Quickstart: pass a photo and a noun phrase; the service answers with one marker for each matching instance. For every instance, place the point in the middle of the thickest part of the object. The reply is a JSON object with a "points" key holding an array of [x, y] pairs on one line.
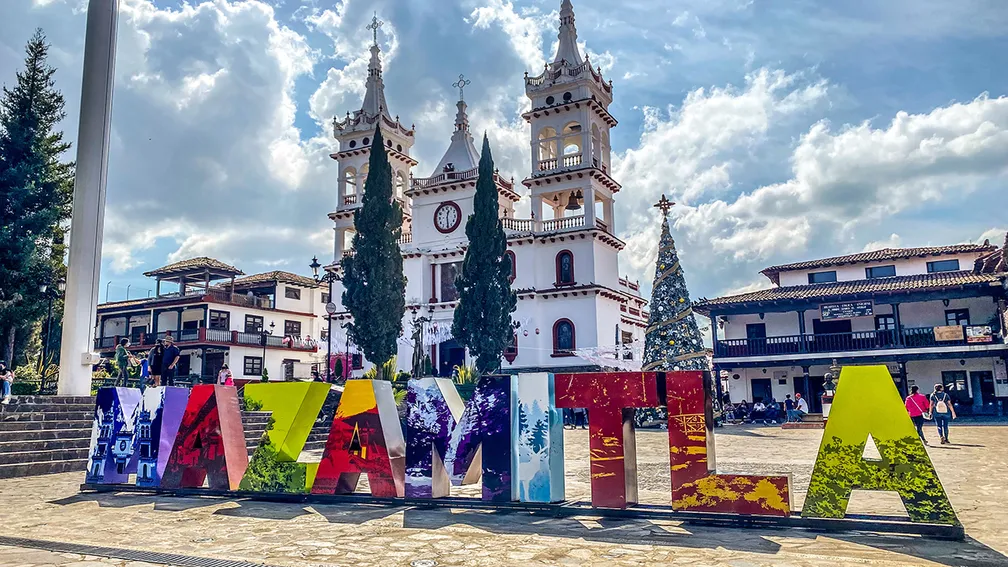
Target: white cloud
{"points": [[524, 30], [894, 241]]}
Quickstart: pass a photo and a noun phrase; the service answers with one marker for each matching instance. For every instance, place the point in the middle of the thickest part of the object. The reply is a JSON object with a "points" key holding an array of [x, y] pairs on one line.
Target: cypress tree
{"points": [[482, 320], [373, 275], [36, 189]]}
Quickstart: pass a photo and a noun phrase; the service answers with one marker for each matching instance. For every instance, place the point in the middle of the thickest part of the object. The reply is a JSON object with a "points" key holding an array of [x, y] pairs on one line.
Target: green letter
{"points": [[867, 403]]}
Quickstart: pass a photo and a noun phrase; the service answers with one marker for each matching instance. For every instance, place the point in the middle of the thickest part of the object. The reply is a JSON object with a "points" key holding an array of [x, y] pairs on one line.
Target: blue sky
{"points": [[788, 129]]}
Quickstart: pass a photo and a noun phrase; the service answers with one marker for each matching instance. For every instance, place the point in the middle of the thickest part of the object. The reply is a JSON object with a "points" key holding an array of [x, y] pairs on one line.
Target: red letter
{"points": [[694, 484], [610, 398], [210, 442]]}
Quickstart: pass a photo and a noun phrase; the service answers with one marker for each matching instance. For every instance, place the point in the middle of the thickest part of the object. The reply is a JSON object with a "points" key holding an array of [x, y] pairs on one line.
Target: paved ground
{"points": [[974, 471]]}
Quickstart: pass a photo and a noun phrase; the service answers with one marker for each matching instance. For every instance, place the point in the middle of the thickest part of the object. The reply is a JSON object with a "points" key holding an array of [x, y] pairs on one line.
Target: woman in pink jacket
{"points": [[917, 406]]}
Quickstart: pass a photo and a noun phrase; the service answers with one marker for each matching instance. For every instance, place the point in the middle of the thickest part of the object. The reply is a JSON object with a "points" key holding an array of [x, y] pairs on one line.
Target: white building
{"points": [[216, 317], [933, 315], [565, 255]]}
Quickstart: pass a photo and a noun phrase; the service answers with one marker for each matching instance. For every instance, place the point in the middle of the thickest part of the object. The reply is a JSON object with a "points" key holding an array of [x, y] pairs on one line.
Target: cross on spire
{"points": [[374, 25], [461, 85], [664, 204]]}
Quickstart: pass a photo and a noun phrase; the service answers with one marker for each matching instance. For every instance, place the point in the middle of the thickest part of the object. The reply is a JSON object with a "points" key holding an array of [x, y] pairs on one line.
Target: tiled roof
{"points": [[877, 256], [994, 262], [195, 265], [812, 292], [275, 276]]}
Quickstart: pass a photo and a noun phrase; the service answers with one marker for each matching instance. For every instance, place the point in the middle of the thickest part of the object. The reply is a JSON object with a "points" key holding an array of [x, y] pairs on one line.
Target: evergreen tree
{"points": [[373, 275], [482, 320], [539, 436], [36, 189], [672, 340]]}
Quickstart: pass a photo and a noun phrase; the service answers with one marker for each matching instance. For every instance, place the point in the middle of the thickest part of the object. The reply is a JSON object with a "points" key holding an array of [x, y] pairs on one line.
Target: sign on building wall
{"points": [[979, 334], [845, 310], [947, 334]]}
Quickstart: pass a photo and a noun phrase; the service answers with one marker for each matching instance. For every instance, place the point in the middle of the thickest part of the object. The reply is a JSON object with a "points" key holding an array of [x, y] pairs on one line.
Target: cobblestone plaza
{"points": [[974, 470]]}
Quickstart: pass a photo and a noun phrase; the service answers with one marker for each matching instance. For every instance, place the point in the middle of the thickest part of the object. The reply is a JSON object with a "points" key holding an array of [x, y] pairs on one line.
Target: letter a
{"points": [[867, 403], [365, 438], [211, 442]]}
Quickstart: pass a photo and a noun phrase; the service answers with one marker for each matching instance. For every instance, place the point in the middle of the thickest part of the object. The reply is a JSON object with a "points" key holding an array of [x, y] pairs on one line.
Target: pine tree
{"points": [[539, 436], [36, 189], [373, 275], [672, 340], [482, 320]]}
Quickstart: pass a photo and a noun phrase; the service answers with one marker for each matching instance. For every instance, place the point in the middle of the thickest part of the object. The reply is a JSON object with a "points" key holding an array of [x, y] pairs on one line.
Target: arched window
{"points": [[349, 181], [605, 151], [596, 149], [572, 139], [510, 255], [400, 185], [563, 338], [547, 144], [565, 268]]}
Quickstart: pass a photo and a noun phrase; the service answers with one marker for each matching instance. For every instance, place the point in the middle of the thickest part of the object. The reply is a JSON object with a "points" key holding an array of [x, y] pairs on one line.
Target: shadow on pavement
{"points": [[124, 500], [968, 553]]}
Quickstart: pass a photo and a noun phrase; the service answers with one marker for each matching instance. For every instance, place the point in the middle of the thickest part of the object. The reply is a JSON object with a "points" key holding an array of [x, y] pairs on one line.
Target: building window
{"points": [[510, 255], [253, 366], [448, 274], [220, 320], [957, 317], [288, 369], [565, 268], [325, 297], [943, 266], [292, 328], [822, 277], [292, 292], [253, 324], [356, 361], [880, 272], [563, 338], [511, 351], [627, 339], [885, 323]]}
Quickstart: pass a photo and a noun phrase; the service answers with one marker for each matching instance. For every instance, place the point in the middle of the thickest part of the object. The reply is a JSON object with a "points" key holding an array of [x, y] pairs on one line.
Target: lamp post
{"points": [[263, 339], [50, 295], [329, 278]]}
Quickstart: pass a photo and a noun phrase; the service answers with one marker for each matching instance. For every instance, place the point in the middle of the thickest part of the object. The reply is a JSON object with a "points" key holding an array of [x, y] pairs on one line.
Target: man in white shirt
{"points": [[801, 406]]}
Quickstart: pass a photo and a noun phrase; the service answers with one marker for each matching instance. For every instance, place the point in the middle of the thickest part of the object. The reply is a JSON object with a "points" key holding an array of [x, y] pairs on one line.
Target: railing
{"points": [[572, 160], [406, 238], [211, 336], [424, 182], [218, 335], [547, 164], [914, 337], [563, 223], [518, 225], [599, 223], [350, 199]]}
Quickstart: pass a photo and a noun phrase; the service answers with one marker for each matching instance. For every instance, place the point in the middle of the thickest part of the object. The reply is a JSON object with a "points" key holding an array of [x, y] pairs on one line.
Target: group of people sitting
{"points": [[770, 411]]}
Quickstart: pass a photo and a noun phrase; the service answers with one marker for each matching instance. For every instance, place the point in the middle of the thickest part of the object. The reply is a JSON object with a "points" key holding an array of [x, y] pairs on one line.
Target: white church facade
{"points": [[573, 306]]}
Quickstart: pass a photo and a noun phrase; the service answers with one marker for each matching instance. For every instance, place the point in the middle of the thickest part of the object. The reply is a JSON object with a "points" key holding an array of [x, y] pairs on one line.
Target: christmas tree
{"points": [[672, 340], [373, 275], [482, 321]]}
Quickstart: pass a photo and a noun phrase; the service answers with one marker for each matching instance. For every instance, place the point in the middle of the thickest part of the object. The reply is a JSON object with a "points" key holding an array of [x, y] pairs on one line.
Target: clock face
{"points": [[447, 217]]}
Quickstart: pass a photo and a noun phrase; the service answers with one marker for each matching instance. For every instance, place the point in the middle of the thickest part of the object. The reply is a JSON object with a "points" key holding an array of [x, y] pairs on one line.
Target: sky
{"points": [[785, 129]]}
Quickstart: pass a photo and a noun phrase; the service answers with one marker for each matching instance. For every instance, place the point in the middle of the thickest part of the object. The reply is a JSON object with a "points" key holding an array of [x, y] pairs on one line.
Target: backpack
{"points": [[940, 405]]}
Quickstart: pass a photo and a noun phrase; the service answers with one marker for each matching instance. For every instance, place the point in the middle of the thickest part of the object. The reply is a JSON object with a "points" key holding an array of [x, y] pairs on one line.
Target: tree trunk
{"points": [[9, 350]]}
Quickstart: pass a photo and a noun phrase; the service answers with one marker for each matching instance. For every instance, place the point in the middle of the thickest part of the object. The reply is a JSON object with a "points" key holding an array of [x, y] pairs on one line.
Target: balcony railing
{"points": [[406, 238], [563, 223], [204, 336], [824, 343], [518, 225], [350, 199]]}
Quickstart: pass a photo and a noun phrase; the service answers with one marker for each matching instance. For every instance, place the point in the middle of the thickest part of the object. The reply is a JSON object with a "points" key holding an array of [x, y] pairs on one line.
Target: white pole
{"points": [[88, 220]]}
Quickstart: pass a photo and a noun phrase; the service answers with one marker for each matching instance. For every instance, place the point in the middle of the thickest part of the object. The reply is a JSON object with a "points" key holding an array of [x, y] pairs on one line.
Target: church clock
{"points": [[447, 217]]}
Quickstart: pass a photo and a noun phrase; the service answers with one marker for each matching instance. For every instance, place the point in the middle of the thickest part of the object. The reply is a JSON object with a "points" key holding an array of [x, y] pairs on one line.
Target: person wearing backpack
{"points": [[942, 411]]}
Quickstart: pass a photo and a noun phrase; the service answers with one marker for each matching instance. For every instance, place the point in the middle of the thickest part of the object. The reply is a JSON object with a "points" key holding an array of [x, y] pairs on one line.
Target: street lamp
{"points": [[263, 340], [50, 295], [329, 278]]}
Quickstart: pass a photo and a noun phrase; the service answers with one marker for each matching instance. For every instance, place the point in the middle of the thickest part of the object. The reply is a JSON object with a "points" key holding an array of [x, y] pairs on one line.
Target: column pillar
{"points": [[178, 333], [802, 343], [899, 324], [589, 207], [88, 223], [714, 336]]}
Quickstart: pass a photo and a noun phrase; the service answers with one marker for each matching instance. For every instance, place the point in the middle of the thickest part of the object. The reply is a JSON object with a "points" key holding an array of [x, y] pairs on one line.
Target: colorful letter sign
{"points": [[694, 484], [157, 423], [867, 404], [211, 442], [610, 398], [110, 459], [537, 458], [486, 424], [365, 438], [294, 407]]}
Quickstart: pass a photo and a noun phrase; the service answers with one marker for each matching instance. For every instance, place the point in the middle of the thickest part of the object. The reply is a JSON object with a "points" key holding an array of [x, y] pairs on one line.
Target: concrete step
{"points": [[29, 445], [44, 434], [43, 407], [24, 425], [43, 456], [88, 400], [46, 467], [47, 416]]}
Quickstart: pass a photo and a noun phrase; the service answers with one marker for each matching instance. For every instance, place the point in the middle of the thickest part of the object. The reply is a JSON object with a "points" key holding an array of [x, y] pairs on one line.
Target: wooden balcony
{"points": [[827, 343], [209, 337]]}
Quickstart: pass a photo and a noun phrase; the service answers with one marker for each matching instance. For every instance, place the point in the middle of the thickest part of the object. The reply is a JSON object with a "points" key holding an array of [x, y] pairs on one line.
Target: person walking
{"points": [[942, 411], [917, 406], [155, 360], [224, 377], [169, 362], [6, 382]]}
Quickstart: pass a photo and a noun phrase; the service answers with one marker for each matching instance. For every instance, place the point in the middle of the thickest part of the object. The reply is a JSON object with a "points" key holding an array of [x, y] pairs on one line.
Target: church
{"points": [[574, 309]]}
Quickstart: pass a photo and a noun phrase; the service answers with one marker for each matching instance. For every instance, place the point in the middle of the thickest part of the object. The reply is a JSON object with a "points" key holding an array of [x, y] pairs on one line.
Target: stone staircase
{"points": [[255, 425], [44, 434]]}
